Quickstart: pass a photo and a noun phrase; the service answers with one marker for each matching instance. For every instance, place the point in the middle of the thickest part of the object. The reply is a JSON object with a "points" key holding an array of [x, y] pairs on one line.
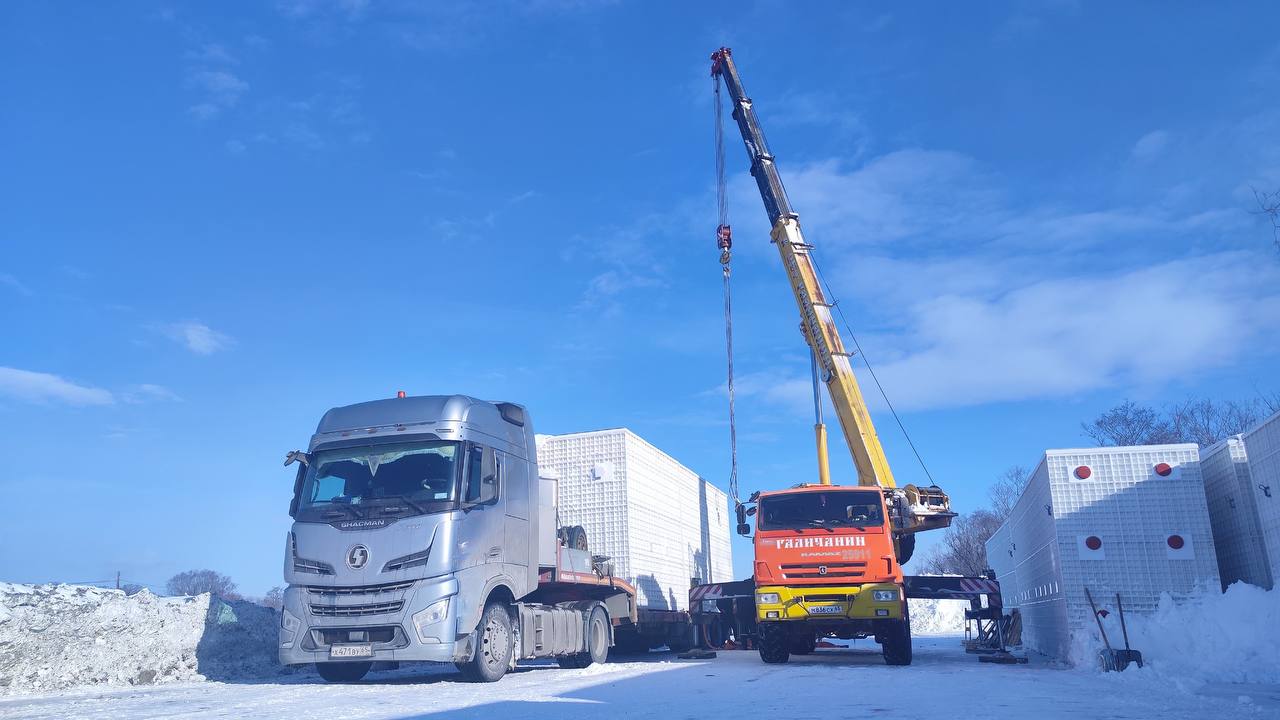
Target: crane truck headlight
{"points": [[884, 595], [428, 616], [767, 598], [289, 625]]}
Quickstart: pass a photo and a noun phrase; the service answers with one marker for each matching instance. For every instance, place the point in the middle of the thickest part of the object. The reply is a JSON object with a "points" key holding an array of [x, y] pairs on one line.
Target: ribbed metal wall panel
{"points": [[660, 522], [1263, 447], [1114, 531], [1233, 513]]}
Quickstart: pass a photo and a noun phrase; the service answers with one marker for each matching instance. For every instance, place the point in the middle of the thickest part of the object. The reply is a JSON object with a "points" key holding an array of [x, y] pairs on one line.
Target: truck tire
{"points": [[627, 641], [896, 647], [773, 642], [804, 644], [906, 548], [576, 537], [493, 646], [597, 643], [343, 672]]}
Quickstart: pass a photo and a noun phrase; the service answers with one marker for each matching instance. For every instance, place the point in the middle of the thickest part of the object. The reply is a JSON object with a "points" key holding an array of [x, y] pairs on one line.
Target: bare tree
{"points": [[1269, 206], [274, 598], [194, 582], [964, 546], [1269, 401], [1130, 424], [1006, 490], [1205, 422]]}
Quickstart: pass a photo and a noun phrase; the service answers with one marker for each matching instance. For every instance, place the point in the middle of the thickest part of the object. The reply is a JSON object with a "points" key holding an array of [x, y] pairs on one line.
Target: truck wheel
{"points": [[493, 646], [597, 643], [896, 646], [773, 642], [576, 537], [343, 672], [627, 641], [804, 644]]}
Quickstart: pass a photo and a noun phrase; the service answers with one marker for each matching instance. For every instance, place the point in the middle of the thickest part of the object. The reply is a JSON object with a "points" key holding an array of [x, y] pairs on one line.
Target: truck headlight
{"points": [[289, 625], [428, 616], [884, 595], [767, 598]]}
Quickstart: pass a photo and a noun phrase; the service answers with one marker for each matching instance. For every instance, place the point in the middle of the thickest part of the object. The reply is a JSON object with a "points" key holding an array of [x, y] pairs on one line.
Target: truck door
{"points": [[482, 529]]}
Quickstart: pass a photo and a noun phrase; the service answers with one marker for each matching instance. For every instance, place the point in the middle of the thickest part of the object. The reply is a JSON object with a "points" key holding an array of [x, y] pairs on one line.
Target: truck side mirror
{"points": [[743, 527]]}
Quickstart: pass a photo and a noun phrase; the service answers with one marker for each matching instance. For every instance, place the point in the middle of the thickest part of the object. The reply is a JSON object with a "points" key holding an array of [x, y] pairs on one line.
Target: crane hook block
{"points": [[717, 60], [724, 241]]}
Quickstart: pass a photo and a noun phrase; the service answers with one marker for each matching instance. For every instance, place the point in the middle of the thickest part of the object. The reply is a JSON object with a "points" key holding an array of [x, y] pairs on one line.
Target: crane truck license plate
{"points": [[825, 609], [350, 651]]}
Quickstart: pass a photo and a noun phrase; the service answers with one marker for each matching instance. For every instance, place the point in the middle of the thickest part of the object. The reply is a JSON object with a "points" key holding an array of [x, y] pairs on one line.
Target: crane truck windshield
{"points": [[827, 509], [381, 481]]}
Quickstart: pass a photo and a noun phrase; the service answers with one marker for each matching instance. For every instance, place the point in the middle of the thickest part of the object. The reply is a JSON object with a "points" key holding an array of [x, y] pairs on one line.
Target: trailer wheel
{"points": [[597, 643], [343, 672], [493, 646], [896, 645], [576, 537], [772, 638]]}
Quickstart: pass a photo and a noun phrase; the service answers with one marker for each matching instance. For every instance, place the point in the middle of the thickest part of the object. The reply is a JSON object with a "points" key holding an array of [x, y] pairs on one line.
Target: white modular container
{"points": [[661, 524], [1128, 520], [1263, 447], [1233, 513]]}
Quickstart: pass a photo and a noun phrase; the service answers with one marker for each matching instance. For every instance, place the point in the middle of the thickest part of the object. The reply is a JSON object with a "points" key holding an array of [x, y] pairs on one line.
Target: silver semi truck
{"points": [[422, 531]]}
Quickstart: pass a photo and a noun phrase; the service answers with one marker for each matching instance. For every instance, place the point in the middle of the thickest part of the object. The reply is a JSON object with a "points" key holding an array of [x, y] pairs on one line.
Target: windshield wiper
{"points": [[820, 523]]}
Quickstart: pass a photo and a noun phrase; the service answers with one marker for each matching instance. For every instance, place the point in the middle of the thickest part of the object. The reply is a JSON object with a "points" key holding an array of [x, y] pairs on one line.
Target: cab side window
{"points": [[482, 476]]}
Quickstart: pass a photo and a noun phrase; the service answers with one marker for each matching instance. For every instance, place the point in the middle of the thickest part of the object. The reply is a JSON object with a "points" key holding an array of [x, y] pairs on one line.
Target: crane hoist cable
{"points": [[724, 241]]}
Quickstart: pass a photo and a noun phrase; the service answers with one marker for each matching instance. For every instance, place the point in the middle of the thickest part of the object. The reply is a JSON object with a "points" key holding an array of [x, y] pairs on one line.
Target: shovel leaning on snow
{"points": [[1109, 658]]}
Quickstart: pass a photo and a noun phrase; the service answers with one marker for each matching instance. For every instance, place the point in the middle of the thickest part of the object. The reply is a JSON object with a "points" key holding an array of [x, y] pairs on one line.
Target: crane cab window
{"points": [[796, 511]]}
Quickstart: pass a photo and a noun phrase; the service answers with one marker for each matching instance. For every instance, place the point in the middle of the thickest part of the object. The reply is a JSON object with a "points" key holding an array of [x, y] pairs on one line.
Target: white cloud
{"points": [[1151, 145], [15, 284], [197, 337], [147, 392], [38, 387]]}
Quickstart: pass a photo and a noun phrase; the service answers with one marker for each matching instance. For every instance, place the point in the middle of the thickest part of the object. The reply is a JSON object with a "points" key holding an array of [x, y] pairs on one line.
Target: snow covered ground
{"points": [[944, 682]]}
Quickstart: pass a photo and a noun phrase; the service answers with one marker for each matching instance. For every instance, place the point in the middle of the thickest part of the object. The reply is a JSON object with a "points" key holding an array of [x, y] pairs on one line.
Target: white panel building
{"points": [[1233, 512], [660, 523], [1128, 520], [1262, 444]]}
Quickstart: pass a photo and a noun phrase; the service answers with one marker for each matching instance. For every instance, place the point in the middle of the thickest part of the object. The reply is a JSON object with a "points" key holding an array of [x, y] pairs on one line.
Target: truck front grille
{"points": [[356, 610], [830, 597], [333, 592], [824, 571]]}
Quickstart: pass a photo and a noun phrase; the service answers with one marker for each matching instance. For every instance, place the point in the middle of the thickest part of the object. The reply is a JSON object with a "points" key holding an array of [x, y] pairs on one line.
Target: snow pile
{"points": [[937, 617], [1231, 636], [60, 636], [1215, 637]]}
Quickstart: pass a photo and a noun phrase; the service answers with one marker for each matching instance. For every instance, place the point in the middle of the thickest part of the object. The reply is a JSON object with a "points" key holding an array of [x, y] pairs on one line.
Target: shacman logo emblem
{"points": [[357, 557], [822, 569]]}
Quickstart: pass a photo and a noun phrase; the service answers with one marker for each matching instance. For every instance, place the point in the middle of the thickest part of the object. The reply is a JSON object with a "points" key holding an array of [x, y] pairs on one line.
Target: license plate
{"points": [[350, 651], [825, 609]]}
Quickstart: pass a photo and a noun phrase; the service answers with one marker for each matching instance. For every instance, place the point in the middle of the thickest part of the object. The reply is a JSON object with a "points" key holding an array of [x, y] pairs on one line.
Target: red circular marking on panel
{"points": [[1083, 472], [1163, 469], [1176, 542], [1093, 542]]}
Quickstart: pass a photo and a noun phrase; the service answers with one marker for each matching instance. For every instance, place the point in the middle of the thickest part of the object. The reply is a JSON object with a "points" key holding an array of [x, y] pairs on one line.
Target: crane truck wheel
{"points": [[804, 644], [597, 643], [343, 672], [493, 646], [773, 642], [896, 645]]}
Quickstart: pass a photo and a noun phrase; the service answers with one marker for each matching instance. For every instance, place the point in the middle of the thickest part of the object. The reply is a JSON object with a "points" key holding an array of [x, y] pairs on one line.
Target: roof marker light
{"points": [[399, 393]]}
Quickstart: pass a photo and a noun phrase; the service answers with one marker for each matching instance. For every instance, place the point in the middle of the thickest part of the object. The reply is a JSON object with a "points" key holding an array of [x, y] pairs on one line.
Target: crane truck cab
{"points": [[826, 566], [423, 532]]}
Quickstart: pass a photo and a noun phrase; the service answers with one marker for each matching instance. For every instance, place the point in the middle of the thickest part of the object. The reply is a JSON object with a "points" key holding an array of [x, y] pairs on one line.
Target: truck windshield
{"points": [[801, 510], [380, 481]]}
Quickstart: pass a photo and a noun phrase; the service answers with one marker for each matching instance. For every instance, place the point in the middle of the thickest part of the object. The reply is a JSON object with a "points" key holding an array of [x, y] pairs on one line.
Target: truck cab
{"points": [[413, 519], [826, 565]]}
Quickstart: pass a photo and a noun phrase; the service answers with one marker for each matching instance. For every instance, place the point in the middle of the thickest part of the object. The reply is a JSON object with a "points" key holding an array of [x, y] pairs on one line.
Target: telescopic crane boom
{"points": [[930, 507]]}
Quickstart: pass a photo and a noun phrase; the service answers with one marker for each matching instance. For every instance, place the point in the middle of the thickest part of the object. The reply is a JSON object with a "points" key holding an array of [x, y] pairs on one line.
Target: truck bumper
{"points": [[829, 604], [422, 625]]}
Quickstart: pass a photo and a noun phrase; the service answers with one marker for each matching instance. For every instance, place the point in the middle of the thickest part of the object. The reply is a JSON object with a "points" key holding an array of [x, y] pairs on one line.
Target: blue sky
{"points": [[219, 221]]}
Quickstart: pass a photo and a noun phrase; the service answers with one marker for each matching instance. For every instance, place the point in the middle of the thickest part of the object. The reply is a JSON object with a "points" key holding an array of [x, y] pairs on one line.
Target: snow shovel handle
{"points": [[1123, 629], [1094, 608]]}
